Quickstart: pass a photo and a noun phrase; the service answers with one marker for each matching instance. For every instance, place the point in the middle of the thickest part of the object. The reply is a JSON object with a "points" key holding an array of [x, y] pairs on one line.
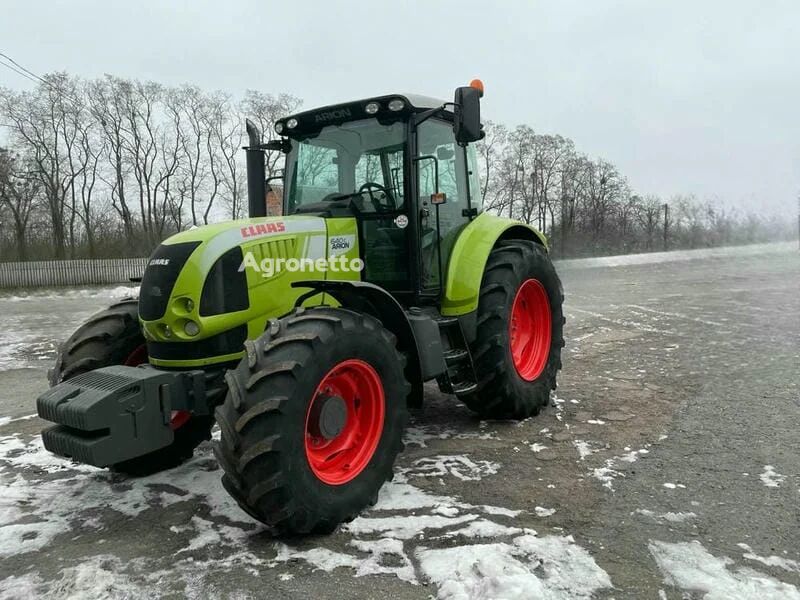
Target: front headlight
{"points": [[191, 328]]}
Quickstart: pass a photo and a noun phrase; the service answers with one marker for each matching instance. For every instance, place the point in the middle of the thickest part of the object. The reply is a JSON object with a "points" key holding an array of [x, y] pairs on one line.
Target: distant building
{"points": [[274, 201]]}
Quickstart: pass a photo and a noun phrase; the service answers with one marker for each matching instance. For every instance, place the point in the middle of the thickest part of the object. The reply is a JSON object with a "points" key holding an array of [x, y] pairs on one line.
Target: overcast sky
{"points": [[685, 97]]}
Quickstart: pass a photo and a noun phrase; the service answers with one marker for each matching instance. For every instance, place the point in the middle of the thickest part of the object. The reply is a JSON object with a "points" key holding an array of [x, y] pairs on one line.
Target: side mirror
{"points": [[467, 124]]}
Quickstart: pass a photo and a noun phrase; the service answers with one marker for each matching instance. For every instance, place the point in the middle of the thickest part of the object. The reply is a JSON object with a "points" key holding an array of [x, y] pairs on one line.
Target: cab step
{"points": [[460, 375]]}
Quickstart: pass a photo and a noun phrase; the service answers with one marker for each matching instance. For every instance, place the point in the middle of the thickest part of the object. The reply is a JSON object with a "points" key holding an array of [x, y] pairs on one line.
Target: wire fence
{"points": [[49, 273]]}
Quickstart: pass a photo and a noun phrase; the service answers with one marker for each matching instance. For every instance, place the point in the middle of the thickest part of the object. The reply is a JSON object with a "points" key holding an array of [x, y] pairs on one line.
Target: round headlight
{"points": [[396, 105], [279, 128], [191, 328], [291, 123], [371, 108]]}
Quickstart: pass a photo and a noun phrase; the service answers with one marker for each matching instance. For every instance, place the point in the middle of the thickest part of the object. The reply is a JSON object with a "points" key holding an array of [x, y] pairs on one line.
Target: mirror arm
{"points": [[423, 116]]}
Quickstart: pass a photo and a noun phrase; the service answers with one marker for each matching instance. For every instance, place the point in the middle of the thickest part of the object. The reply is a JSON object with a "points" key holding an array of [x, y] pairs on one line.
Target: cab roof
{"points": [[310, 121]]}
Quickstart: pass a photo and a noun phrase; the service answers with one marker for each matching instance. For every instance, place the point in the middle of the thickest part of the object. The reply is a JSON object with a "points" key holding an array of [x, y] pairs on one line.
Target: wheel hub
{"points": [[344, 421], [328, 417]]}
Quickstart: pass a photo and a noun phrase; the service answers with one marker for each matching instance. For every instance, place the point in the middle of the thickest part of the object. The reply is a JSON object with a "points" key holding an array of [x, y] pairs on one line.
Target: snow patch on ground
{"points": [[690, 567], [771, 561], [45, 497], [35, 510], [115, 292], [584, 448], [608, 472], [526, 567], [770, 478], [672, 517], [404, 527], [420, 435], [459, 466]]}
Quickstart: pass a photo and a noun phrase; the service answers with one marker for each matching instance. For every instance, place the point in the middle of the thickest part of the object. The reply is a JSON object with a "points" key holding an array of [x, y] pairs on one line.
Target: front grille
{"points": [[225, 288], [160, 276], [227, 342]]}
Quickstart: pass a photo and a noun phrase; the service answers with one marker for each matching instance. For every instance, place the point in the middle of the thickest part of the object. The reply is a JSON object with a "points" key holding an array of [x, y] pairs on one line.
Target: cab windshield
{"points": [[361, 159]]}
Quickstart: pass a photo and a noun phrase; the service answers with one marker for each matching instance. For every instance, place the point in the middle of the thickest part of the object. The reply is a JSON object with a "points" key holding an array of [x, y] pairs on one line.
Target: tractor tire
{"points": [[517, 349], [114, 337], [313, 420]]}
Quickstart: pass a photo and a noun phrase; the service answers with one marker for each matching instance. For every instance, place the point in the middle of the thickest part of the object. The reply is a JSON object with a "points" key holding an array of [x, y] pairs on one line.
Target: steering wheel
{"points": [[368, 186]]}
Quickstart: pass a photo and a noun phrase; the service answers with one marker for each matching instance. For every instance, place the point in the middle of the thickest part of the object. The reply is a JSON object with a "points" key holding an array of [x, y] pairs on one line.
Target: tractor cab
{"points": [[404, 166]]}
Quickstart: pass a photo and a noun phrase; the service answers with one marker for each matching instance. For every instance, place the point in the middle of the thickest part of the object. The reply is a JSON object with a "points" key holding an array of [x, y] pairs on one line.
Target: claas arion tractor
{"points": [[309, 370]]}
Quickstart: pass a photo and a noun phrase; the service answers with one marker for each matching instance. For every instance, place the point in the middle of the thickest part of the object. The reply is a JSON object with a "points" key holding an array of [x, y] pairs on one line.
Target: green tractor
{"points": [[307, 336]]}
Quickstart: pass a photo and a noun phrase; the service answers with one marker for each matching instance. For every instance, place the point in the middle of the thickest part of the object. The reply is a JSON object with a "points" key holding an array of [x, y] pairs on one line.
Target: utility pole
{"points": [[666, 224]]}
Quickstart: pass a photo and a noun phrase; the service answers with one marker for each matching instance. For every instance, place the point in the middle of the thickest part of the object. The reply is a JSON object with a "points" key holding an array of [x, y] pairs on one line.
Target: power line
{"points": [[17, 71], [30, 75], [16, 64]]}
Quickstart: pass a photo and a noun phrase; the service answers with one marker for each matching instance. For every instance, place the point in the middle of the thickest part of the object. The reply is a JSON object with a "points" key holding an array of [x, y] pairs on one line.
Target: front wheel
{"points": [[313, 420], [517, 351]]}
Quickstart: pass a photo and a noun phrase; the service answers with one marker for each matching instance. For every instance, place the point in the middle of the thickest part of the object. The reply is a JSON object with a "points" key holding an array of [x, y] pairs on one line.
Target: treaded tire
{"points": [[262, 447], [109, 338], [501, 392]]}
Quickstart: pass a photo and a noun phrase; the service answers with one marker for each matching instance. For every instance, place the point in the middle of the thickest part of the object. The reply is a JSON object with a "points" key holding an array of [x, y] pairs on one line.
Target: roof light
{"points": [[291, 123], [371, 108], [278, 127], [478, 85], [396, 105]]}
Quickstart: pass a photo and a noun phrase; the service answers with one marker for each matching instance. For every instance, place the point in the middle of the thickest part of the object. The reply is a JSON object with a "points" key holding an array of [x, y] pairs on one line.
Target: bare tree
{"points": [[18, 192], [108, 107], [649, 218], [264, 110]]}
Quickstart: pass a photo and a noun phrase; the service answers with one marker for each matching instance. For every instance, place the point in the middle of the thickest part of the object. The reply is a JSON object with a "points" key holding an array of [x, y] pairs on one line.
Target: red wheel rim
{"points": [[530, 329], [178, 418], [340, 458]]}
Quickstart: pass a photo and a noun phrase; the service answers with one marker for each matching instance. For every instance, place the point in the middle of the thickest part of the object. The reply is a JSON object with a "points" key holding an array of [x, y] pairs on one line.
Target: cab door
{"points": [[440, 224]]}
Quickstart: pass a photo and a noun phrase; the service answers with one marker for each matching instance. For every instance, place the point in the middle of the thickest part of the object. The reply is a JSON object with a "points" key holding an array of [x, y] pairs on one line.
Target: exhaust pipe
{"points": [[256, 173]]}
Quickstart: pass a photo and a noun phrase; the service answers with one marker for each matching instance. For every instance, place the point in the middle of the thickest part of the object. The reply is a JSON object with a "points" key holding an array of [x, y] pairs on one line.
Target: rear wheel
{"points": [[313, 420], [517, 350], [114, 337]]}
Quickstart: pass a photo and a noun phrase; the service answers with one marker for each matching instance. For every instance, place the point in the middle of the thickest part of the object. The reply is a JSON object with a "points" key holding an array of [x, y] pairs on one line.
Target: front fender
{"points": [[470, 253]]}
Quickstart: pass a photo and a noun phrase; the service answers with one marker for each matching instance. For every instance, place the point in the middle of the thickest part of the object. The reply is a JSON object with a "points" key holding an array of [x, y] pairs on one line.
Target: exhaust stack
{"points": [[256, 173]]}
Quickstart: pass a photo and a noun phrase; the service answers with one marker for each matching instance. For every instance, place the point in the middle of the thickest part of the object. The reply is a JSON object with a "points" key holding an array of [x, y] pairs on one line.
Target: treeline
{"points": [[109, 167], [587, 207]]}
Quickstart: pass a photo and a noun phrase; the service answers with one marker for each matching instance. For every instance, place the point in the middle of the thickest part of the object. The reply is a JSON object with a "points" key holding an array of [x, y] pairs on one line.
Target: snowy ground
{"points": [[668, 466]]}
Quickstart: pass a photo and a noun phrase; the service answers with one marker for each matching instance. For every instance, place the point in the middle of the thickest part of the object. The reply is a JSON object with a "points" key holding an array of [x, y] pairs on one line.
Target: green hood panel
{"points": [[276, 239]]}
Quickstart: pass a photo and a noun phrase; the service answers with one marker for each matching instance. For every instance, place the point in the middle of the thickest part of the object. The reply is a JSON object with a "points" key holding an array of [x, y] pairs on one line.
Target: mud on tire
{"points": [[502, 392], [265, 418], [112, 337]]}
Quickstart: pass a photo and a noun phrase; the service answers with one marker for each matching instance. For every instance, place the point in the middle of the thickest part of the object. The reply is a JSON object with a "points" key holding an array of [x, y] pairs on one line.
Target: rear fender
{"points": [[470, 254]]}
